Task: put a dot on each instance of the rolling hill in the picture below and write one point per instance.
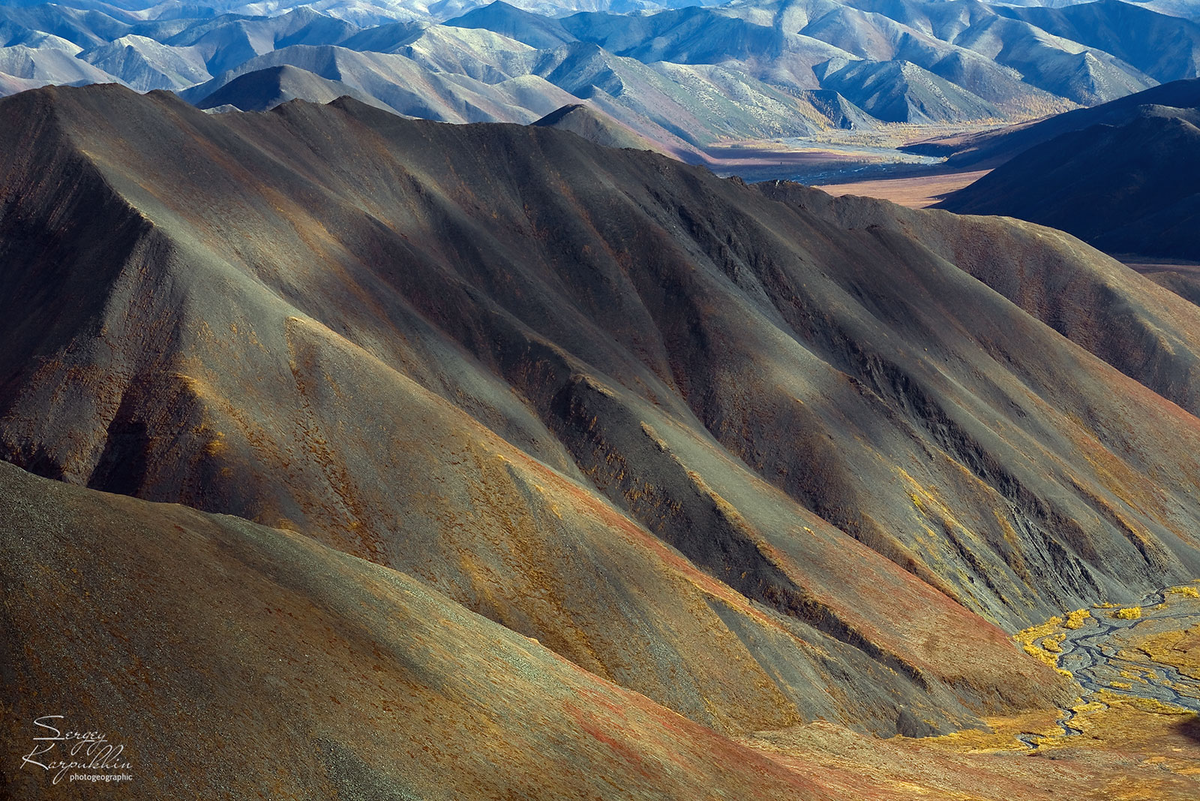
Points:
(263, 90)
(1131, 186)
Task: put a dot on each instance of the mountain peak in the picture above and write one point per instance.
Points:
(584, 120)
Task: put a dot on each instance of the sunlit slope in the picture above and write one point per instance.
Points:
(742, 456)
(232, 660)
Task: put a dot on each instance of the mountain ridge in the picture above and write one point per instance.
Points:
(696, 75)
(548, 399)
(1127, 188)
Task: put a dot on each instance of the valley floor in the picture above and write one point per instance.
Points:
(1146, 264)
(1118, 742)
(915, 192)
(869, 163)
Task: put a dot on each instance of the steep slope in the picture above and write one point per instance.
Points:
(651, 418)
(144, 64)
(1000, 145)
(49, 66)
(898, 91)
(760, 459)
(10, 85)
(384, 38)
(263, 90)
(311, 673)
(521, 368)
(686, 36)
(1133, 188)
(1164, 47)
(1098, 303)
(594, 126)
(440, 75)
(11, 34)
(752, 59)
(405, 86)
(986, 72)
(83, 27)
(506, 20)
(482, 55)
(1183, 280)
(1005, 38)
(840, 112)
(1186, 9)
(225, 42)
(1059, 66)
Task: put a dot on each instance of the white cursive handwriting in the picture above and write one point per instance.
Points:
(91, 746)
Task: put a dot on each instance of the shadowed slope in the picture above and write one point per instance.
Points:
(1164, 47)
(431, 345)
(991, 147)
(229, 393)
(515, 23)
(1182, 279)
(265, 89)
(1098, 303)
(594, 126)
(1132, 188)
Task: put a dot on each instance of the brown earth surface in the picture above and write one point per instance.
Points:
(738, 458)
(254, 662)
(913, 192)
(1181, 277)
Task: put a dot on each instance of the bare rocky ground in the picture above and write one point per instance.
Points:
(388, 457)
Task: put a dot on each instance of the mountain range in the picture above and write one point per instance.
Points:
(478, 438)
(683, 79)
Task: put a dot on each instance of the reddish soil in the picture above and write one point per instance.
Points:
(913, 192)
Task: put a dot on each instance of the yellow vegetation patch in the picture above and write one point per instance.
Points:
(1131, 613)
(1040, 630)
(216, 444)
(1149, 705)
(1187, 592)
(1042, 641)
(1076, 619)
(1054, 644)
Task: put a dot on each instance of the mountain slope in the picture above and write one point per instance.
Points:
(144, 64)
(506, 20)
(436, 76)
(265, 89)
(1164, 47)
(405, 86)
(1002, 144)
(1182, 279)
(594, 126)
(1133, 188)
(324, 328)
(746, 457)
(903, 92)
(378, 685)
(49, 66)
(685, 78)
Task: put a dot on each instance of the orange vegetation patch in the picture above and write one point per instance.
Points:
(1127, 751)
(915, 193)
